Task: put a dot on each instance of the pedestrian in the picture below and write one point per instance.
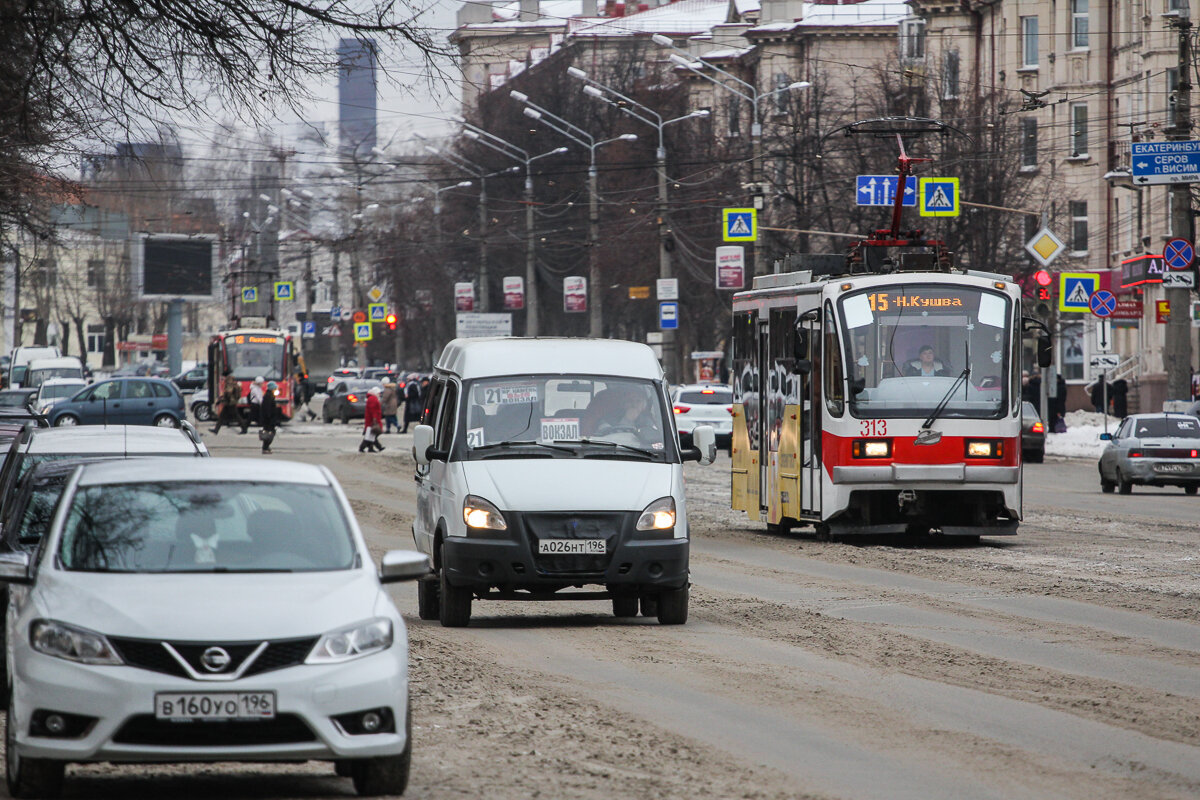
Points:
(1097, 395)
(1059, 406)
(255, 396)
(372, 422)
(1025, 387)
(1120, 397)
(390, 400)
(227, 403)
(412, 401)
(268, 416)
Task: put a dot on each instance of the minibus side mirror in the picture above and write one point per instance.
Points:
(422, 444)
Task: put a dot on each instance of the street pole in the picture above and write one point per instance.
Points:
(595, 318)
(669, 356)
(484, 300)
(531, 287)
(1177, 347)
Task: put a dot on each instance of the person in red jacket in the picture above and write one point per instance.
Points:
(372, 422)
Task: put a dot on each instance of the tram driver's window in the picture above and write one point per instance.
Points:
(835, 399)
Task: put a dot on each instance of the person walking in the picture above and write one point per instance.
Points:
(256, 398)
(412, 401)
(268, 416)
(390, 400)
(227, 404)
(372, 422)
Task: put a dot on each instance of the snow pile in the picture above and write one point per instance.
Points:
(1082, 439)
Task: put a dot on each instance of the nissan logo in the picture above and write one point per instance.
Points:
(215, 659)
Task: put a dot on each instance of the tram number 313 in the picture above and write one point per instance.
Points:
(873, 427)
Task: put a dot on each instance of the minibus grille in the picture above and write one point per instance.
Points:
(596, 525)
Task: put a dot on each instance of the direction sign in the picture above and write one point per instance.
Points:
(250, 295)
(1102, 303)
(1179, 280)
(1165, 162)
(335, 313)
(377, 312)
(668, 315)
(1104, 334)
(284, 290)
(1076, 289)
(1106, 361)
(362, 331)
(939, 197)
(1179, 253)
(880, 190)
(739, 225)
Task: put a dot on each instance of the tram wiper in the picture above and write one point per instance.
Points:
(928, 436)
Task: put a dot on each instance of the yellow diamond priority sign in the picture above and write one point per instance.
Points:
(1045, 246)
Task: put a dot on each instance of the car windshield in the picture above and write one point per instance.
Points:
(626, 417)
(907, 345)
(699, 397)
(39, 376)
(1175, 427)
(229, 526)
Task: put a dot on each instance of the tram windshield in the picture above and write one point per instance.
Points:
(252, 355)
(908, 344)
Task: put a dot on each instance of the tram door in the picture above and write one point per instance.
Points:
(762, 398)
(810, 418)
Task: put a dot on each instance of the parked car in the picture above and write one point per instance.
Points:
(1160, 449)
(379, 373)
(122, 401)
(201, 406)
(17, 398)
(139, 548)
(44, 369)
(703, 404)
(53, 391)
(347, 400)
(341, 374)
(1033, 434)
(193, 379)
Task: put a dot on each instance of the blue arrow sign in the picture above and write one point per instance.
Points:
(880, 190)
(1179, 254)
(1165, 162)
(1102, 303)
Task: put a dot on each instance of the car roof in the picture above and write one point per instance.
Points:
(85, 439)
(64, 381)
(56, 361)
(157, 470)
(488, 357)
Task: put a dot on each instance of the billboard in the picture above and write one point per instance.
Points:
(575, 294)
(169, 266)
(514, 293)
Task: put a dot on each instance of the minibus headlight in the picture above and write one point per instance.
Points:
(658, 516)
(482, 515)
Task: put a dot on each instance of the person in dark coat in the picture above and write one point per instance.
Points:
(1119, 395)
(1097, 395)
(268, 415)
(1058, 406)
(412, 401)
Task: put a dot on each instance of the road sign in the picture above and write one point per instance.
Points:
(362, 331)
(1165, 162)
(1104, 334)
(1162, 312)
(359, 316)
(1102, 303)
(639, 292)
(335, 314)
(333, 330)
(1075, 289)
(285, 290)
(668, 315)
(376, 312)
(375, 294)
(1179, 280)
(1179, 253)
(668, 288)
(475, 325)
(250, 295)
(880, 190)
(938, 197)
(1106, 361)
(1045, 246)
(1195, 315)
(739, 225)
(309, 329)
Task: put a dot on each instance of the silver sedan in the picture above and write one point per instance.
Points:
(1152, 450)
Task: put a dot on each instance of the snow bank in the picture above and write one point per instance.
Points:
(1082, 439)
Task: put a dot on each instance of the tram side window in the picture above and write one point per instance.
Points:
(835, 399)
(745, 353)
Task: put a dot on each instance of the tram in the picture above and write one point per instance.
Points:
(250, 353)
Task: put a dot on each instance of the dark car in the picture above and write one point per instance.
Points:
(1033, 434)
(192, 379)
(123, 401)
(16, 398)
(379, 373)
(1160, 449)
(348, 400)
(341, 374)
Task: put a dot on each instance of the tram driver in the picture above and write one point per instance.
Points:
(925, 365)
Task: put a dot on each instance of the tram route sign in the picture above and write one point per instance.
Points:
(1165, 162)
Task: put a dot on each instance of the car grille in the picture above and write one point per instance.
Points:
(152, 655)
(606, 526)
(146, 729)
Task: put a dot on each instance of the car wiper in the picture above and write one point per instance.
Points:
(525, 443)
(927, 436)
(628, 447)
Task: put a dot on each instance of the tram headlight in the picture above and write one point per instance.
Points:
(871, 448)
(990, 448)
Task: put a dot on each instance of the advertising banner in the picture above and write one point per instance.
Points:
(731, 267)
(464, 297)
(574, 294)
(514, 293)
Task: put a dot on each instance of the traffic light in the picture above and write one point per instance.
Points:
(391, 322)
(1043, 277)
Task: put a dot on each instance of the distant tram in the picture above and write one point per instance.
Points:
(250, 353)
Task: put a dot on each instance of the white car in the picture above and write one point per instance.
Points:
(197, 610)
(703, 404)
(55, 390)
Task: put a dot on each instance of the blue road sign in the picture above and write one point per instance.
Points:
(284, 290)
(1102, 303)
(1165, 162)
(1179, 254)
(377, 312)
(739, 225)
(939, 197)
(668, 316)
(1076, 289)
(310, 329)
(335, 314)
(249, 295)
(880, 190)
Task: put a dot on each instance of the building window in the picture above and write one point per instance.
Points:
(912, 39)
(1079, 227)
(1029, 143)
(734, 108)
(1079, 123)
(1172, 88)
(1029, 42)
(95, 338)
(1079, 23)
(781, 93)
(950, 75)
(44, 274)
(95, 273)
(1176, 5)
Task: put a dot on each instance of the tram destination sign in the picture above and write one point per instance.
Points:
(1165, 162)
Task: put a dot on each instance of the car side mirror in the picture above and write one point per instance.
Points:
(422, 444)
(14, 568)
(1044, 352)
(1106, 437)
(403, 565)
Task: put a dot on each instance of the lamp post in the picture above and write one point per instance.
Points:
(580, 136)
(507, 148)
(647, 116)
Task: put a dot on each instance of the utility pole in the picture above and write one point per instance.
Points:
(531, 285)
(1177, 348)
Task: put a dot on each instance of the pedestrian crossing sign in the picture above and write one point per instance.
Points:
(1075, 289)
(740, 225)
(362, 331)
(939, 197)
(377, 312)
(284, 290)
(250, 294)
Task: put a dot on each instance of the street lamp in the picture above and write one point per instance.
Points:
(580, 136)
(507, 148)
(437, 210)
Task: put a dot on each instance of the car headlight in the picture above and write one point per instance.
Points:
(658, 516)
(44, 409)
(74, 644)
(353, 642)
(482, 515)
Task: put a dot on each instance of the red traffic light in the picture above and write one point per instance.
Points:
(1043, 277)
(391, 322)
